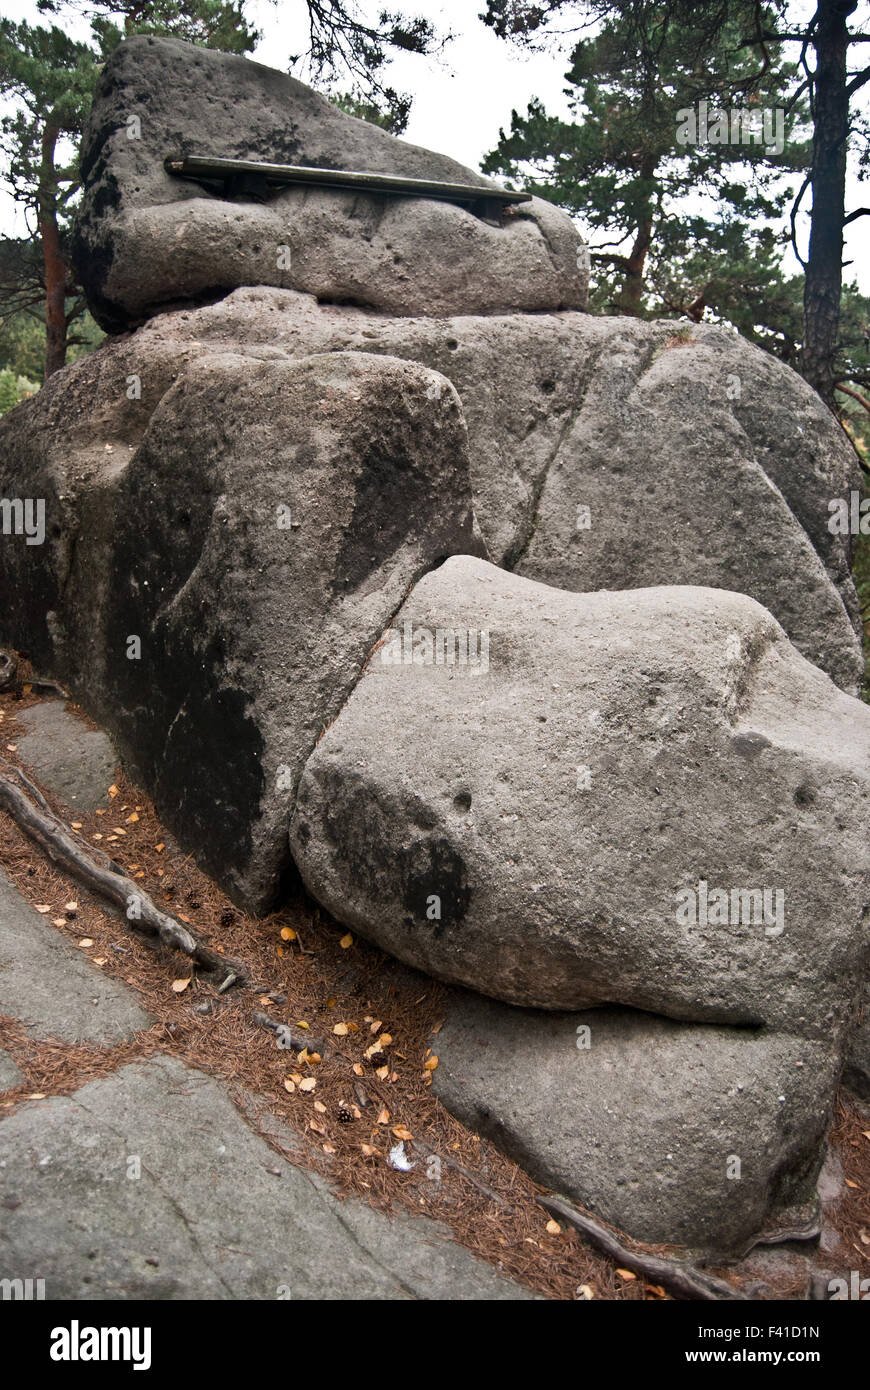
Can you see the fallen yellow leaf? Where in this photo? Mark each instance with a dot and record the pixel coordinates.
(179, 986)
(308, 1084)
(626, 1274)
(553, 1228)
(346, 940)
(401, 1132)
(430, 1064)
(113, 791)
(384, 1116)
(288, 934)
(86, 942)
(289, 1085)
(340, 1030)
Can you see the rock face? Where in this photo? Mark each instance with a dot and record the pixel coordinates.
(701, 1136)
(570, 419)
(146, 239)
(213, 593)
(596, 805)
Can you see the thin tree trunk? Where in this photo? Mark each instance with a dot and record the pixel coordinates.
(824, 276)
(630, 300)
(55, 266)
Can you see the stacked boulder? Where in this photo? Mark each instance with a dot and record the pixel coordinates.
(521, 635)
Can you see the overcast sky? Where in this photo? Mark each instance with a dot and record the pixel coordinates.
(461, 98)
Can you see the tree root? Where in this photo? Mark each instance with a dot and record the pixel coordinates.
(31, 812)
(684, 1280)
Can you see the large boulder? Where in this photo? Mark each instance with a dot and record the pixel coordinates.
(646, 798)
(146, 239)
(690, 459)
(211, 589)
(685, 1133)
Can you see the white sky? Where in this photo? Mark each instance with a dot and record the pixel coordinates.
(461, 98)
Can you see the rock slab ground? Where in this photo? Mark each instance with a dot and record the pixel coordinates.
(148, 1184)
(51, 987)
(77, 763)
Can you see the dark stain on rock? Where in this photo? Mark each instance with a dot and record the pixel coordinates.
(433, 868)
(749, 745)
(389, 492)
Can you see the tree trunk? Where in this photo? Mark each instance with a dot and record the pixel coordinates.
(55, 266)
(630, 298)
(824, 276)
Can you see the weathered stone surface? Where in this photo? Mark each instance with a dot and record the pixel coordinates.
(684, 481)
(77, 764)
(146, 239)
(640, 1119)
(551, 801)
(51, 986)
(205, 1218)
(254, 539)
(81, 445)
(10, 1074)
